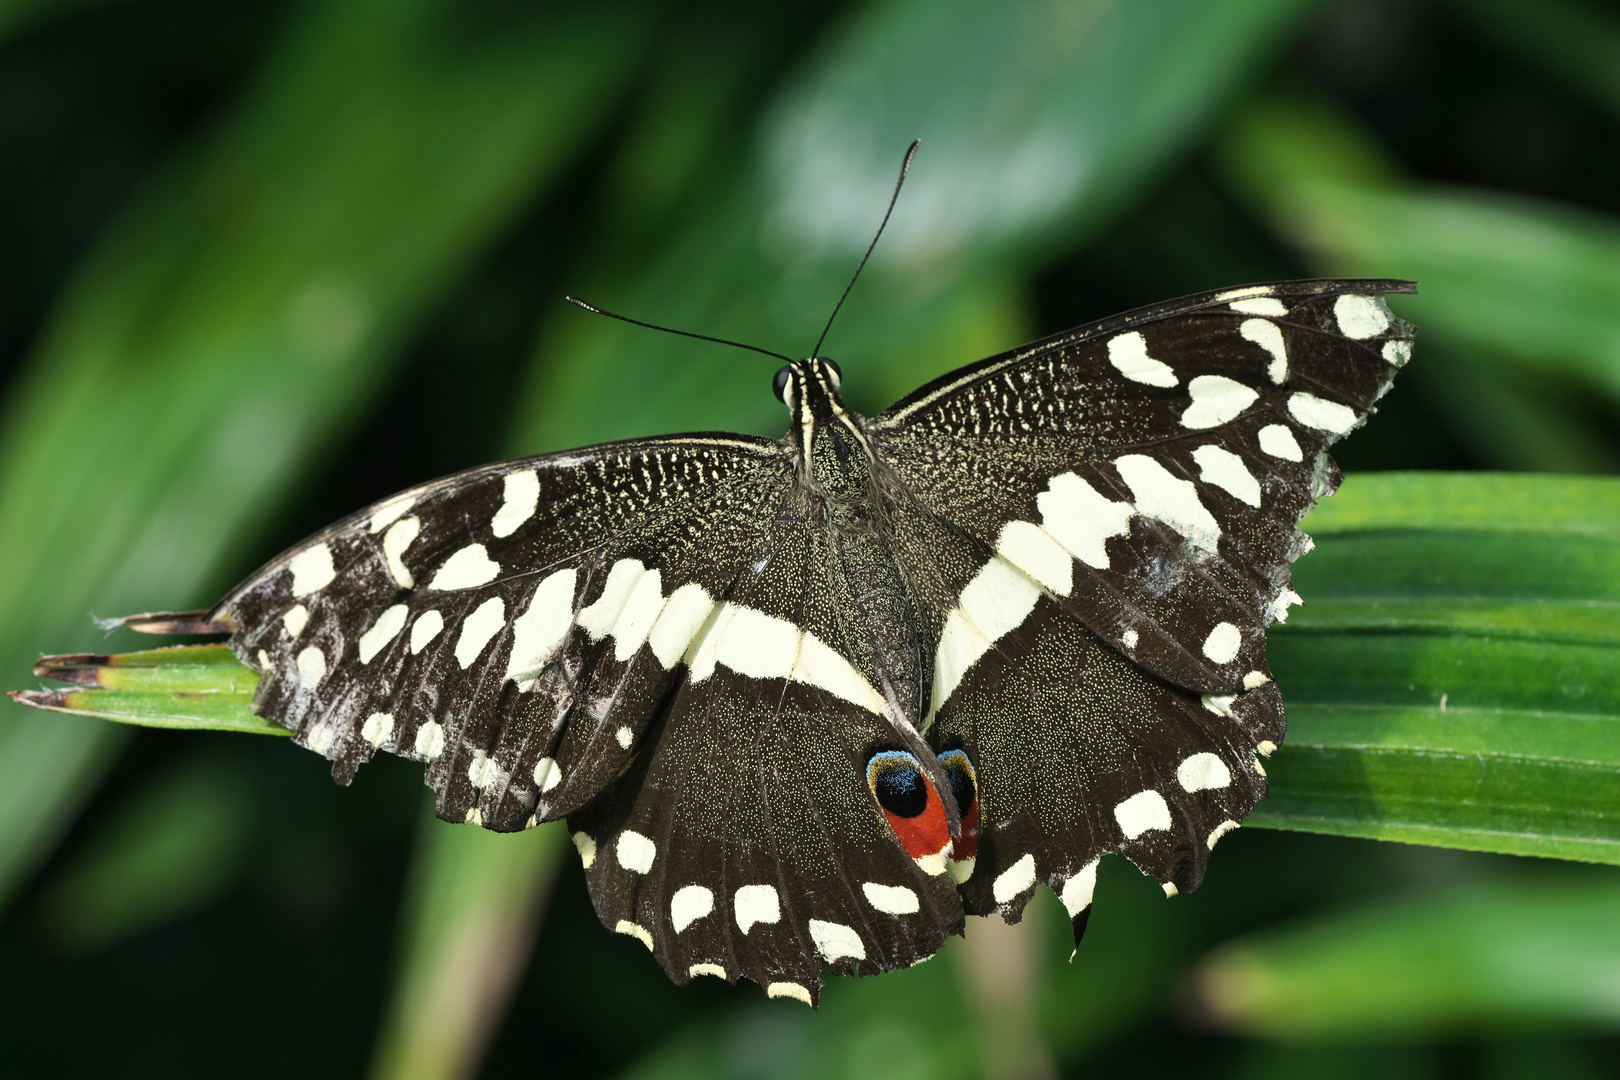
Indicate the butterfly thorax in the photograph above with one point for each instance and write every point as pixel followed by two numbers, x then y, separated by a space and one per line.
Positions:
pixel 838 475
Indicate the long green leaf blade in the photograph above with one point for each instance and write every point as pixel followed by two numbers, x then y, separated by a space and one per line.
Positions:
pixel 1459 682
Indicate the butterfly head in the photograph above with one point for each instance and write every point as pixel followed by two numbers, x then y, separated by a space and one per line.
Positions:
pixel 810 390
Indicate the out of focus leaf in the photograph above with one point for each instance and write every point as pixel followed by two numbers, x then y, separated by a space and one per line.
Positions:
pixel 1478 958
pixel 18 15
pixel 472 906
pixel 1454 676
pixel 1037 119
pixel 248 304
pixel 167 851
pixel 1574 42
pixel 1511 278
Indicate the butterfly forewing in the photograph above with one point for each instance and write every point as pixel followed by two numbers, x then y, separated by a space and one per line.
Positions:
pixel 479 622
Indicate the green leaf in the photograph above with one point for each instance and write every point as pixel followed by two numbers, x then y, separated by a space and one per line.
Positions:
pixel 1517 279
pixel 1490 956
pixel 1454 676
pixel 169 850
pixel 248 305
pixel 1036 123
pixel 200 687
pixel 473 904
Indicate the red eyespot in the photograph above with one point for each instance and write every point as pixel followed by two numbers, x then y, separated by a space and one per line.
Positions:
pixel 911 806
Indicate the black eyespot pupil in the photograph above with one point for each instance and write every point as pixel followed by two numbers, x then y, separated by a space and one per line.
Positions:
pixel 901 791
pixel 961 787
pixel 779 384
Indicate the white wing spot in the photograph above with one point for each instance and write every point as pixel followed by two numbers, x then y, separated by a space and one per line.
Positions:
pixel 1397 352
pixel 1361 317
pixel 788 990
pixel 1128 353
pixel 400 536
pixel 378 728
pixel 1077 516
pixel 1285 600
pixel 477 630
pixel 1265 334
pixel 1014 880
pixel 835 941
pixel 466 569
pixel 296 618
pixel 586 845
pixel 430 740
pixel 1169 499
pixel 389 512
pixel 1033 550
pixel 384 630
pixel 482 770
pixel 320 738
pixel 683 614
pixel 1320 413
pixel 1219 704
pixel 1203 772
pixel 1223 643
pixel 690 903
pixel 1220 830
pixel 1254 679
pixel 1226 471
pixel 705 969
pixel 539 632
pixel 424 630
pixel 1279 442
pixel 312 569
pixel 1129 639
pixel 1143 812
pixel 636 852
pixel 996 601
pixel 522 495
pixel 1259 305
pixel 1215 400
pixel 624 737
pixel 635 620
pixel 597 619
pixel 890 899
pixel 311 667
pixel 1077 890
pixel 756 904
pixel 548 774
pixel 635 930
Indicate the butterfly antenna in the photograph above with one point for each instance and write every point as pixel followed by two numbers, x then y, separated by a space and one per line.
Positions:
pixel 577 302
pixel 905 167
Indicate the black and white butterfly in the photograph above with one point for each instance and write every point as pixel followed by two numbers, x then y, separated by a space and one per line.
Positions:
pixel 807 702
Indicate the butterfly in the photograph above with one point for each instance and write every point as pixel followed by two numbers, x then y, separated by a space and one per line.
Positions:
pixel 807 702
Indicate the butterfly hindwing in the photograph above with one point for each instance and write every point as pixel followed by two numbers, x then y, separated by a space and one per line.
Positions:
pixel 745 839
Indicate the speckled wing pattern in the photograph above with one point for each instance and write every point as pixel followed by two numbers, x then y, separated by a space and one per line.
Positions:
pixel 665 642
pixel 1128 496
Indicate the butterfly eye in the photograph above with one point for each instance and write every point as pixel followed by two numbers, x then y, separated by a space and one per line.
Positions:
pixel 835 371
pixel 779 384
pixel 911 806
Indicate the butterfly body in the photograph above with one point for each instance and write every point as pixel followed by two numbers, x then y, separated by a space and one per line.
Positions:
pixel 808 702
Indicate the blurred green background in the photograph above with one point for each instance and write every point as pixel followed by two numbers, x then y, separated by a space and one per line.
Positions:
pixel 264 262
